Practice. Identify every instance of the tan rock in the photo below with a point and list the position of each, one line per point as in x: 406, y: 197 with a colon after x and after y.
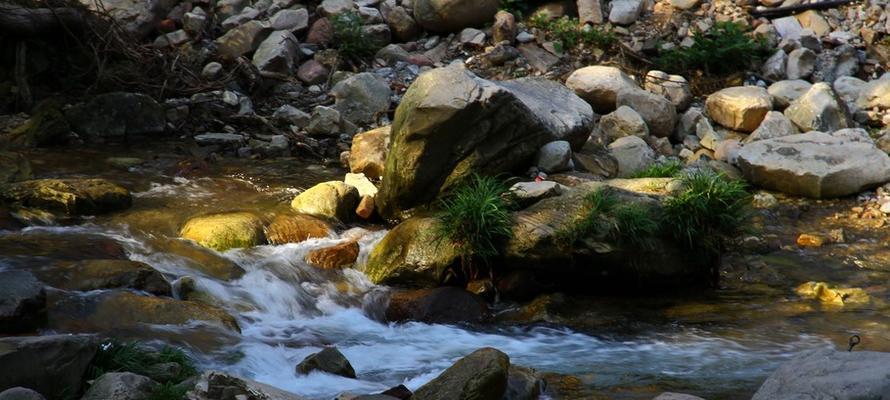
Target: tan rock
x: 599, y: 85
x: 334, y: 257
x: 740, y: 108
x: 368, y: 153
x: 365, y: 207
x: 223, y: 231
x: 296, y: 228
x: 812, y: 19
x: 334, y: 199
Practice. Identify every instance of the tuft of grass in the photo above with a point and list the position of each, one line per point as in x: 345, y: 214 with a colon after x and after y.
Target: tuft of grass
x: 598, y: 205
x: 134, y: 357
x: 667, y: 169
x: 567, y: 33
x: 349, y: 38
x: 724, y: 49
x: 474, y: 218
x: 168, y: 391
x: 710, y: 210
x: 634, y: 224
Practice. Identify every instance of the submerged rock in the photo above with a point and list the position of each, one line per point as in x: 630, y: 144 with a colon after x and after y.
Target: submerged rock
x: 104, y: 274
x: 223, y: 231
x: 68, y: 196
x: 482, y: 375
x: 412, y: 253
x: 329, y: 360
x: 202, y: 259
x: 296, y: 228
x: 334, y: 257
x: 830, y: 374
x: 815, y: 165
x: 335, y: 200
x: 52, y: 365
x: 442, y: 305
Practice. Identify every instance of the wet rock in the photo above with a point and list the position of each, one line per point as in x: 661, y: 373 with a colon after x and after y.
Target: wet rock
x: 334, y: 200
x: 623, y: 122
x: 625, y: 12
x: 47, y: 246
x: 51, y: 365
x: 277, y: 53
x: 296, y: 228
x: 202, y: 259
x: 453, y: 15
x: 368, y: 153
x: 215, y: 385
x: 599, y: 86
x: 673, y: 87
x: 658, y: 112
x: 20, y: 393
x: 329, y: 360
x: 220, y: 139
x: 13, y: 167
x: 411, y: 254
x: 504, y: 28
x: 118, y: 115
x: 523, y: 384
x: 814, y: 164
x: 68, y: 196
x: 819, y: 109
x: 120, y: 386
x: 123, y: 311
x: 740, y: 108
x: 104, y: 274
x: 439, y: 305
x: 774, y: 125
x: 335, y: 257
x: 362, y: 97
x: 830, y: 294
x: 554, y: 157
x: 437, y: 139
x: 785, y: 92
x: 801, y: 64
x: 22, y: 301
x: 241, y: 40
x: 829, y: 374
x: 809, y: 240
x: 481, y: 375
x: 223, y: 231
x: 633, y: 155
x: 400, y: 21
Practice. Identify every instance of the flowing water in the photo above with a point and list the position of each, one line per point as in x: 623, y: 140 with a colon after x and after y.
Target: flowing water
x: 719, y: 344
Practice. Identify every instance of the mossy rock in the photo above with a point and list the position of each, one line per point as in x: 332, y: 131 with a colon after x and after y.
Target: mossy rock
x: 223, y: 231
x: 70, y: 197
x: 46, y: 127
x: 335, y: 200
x: 411, y: 254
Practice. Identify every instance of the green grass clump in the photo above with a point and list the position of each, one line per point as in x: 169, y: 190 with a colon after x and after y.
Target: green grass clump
x: 349, y: 38
x: 667, y: 169
x: 634, y: 224
x: 724, y: 49
x: 474, y: 218
x: 623, y: 223
x: 168, y: 391
x: 133, y: 357
x: 709, y: 210
x: 567, y: 33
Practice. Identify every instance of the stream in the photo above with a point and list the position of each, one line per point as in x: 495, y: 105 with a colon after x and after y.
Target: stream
x: 716, y: 344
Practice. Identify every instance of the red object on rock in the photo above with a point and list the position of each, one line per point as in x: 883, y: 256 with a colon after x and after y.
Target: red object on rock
x: 166, y: 26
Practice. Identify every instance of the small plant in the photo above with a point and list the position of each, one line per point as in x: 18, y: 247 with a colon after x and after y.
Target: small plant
x: 724, y: 49
x: 623, y: 223
x: 349, y: 38
x: 567, y: 33
x: 474, y: 217
x: 667, y: 169
x: 634, y: 224
x: 133, y: 357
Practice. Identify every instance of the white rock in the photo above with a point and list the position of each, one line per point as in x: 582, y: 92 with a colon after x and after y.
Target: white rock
x: 625, y: 12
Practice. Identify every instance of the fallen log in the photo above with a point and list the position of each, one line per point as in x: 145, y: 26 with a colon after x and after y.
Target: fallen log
x: 785, y: 11
x: 27, y: 22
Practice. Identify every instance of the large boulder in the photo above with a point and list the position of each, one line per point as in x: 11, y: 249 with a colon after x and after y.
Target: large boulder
x: 453, y: 15
x: 412, y: 253
x: 362, y: 97
x: 296, y: 228
x: 740, y: 108
x: 819, y: 109
x: 120, y: 386
x: 451, y: 123
x: 68, y: 196
x: 599, y: 85
x: 658, y: 112
x: 223, y: 231
x: 830, y: 374
x: 22, y: 301
x: 335, y: 200
x: 123, y: 311
x: 815, y: 164
x: 13, y: 167
x: 442, y: 305
x: 329, y: 360
x: 481, y: 375
x: 52, y: 365
x: 118, y: 116
x: 104, y: 274
x: 368, y: 153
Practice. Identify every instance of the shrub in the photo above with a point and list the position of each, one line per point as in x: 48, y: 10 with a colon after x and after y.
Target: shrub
x: 723, y: 49
x: 474, y: 217
x: 707, y: 212
x: 133, y: 357
x: 349, y: 38
x: 567, y: 32
x: 667, y: 169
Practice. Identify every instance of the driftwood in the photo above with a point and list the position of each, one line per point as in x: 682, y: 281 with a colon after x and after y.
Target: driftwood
x: 22, y: 21
x: 785, y: 11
